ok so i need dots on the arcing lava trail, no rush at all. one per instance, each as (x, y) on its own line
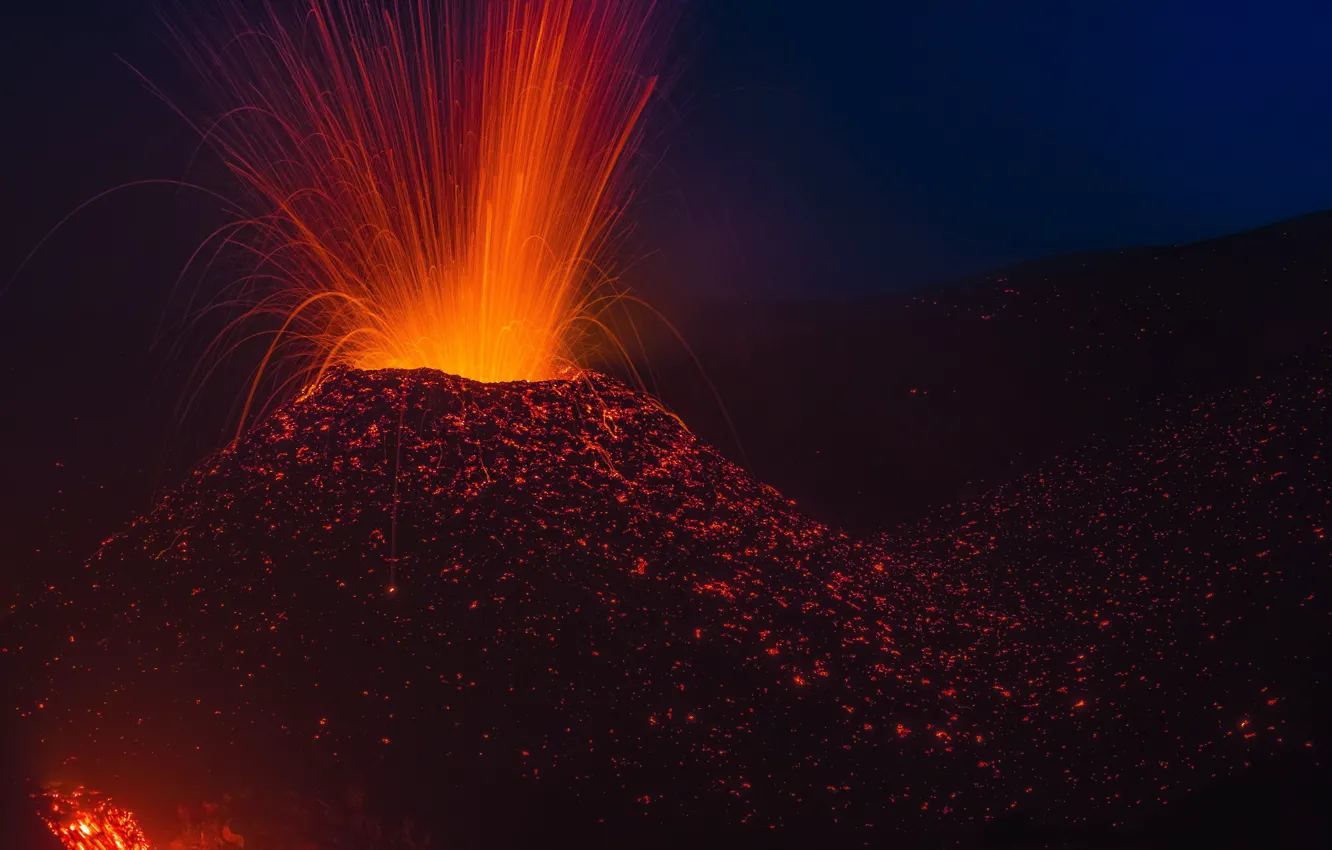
(556, 586)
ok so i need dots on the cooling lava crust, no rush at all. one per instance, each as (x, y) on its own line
(551, 600)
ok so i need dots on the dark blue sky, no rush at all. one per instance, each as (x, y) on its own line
(858, 146)
(838, 146)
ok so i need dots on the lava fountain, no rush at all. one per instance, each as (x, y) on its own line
(425, 185)
(87, 821)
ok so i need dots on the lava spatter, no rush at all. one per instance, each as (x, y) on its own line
(88, 821)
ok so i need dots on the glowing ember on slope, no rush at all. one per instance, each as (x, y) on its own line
(429, 185)
(588, 596)
(85, 820)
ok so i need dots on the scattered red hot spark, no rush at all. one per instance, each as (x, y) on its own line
(591, 597)
(87, 821)
(426, 185)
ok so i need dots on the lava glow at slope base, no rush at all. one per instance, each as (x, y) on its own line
(425, 185)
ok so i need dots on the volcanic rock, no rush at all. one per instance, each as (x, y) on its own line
(551, 599)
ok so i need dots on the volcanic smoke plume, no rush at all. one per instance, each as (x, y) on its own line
(555, 586)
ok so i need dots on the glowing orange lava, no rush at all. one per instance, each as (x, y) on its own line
(86, 821)
(428, 185)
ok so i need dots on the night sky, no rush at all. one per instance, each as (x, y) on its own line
(845, 147)
(868, 146)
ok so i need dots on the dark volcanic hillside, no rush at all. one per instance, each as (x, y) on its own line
(550, 604)
(970, 384)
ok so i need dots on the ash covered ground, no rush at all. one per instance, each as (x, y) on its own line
(540, 606)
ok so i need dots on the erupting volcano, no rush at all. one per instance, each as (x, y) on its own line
(426, 185)
(460, 565)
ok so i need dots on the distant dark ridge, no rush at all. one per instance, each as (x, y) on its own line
(868, 411)
(1315, 224)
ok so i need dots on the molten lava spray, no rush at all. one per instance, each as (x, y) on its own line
(85, 821)
(427, 185)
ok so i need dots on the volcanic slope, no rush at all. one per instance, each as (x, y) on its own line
(556, 586)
